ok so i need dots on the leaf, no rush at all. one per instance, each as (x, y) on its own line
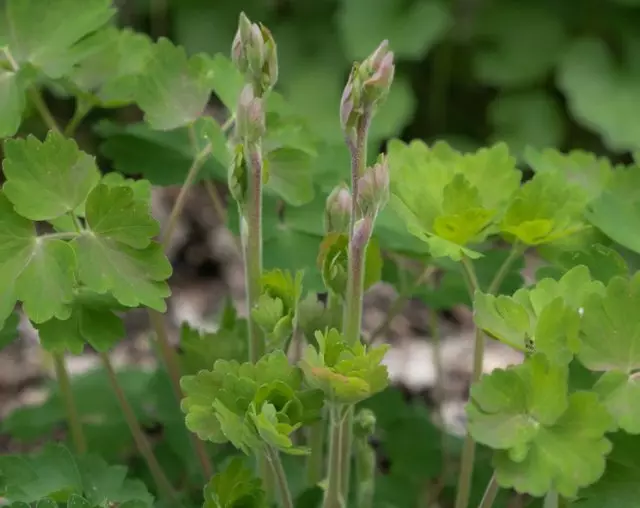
(290, 175)
(51, 41)
(9, 330)
(250, 405)
(110, 75)
(447, 199)
(513, 52)
(610, 316)
(51, 473)
(12, 102)
(525, 119)
(600, 89)
(235, 487)
(412, 29)
(346, 374)
(544, 209)
(37, 271)
(620, 198)
(173, 90)
(544, 438)
(47, 179)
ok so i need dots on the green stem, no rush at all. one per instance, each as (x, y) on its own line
(334, 494)
(551, 500)
(469, 446)
(490, 493)
(140, 439)
(273, 458)
(515, 253)
(78, 115)
(315, 460)
(43, 110)
(73, 418)
(61, 236)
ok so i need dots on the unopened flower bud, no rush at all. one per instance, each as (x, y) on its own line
(270, 67)
(250, 119)
(238, 174)
(362, 233)
(238, 55)
(377, 73)
(373, 188)
(338, 210)
(364, 423)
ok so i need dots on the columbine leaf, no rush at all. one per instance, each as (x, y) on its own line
(290, 175)
(12, 102)
(544, 438)
(173, 89)
(50, 41)
(51, 473)
(9, 330)
(37, 271)
(346, 374)
(544, 209)
(235, 487)
(238, 403)
(119, 257)
(47, 179)
(611, 344)
(446, 198)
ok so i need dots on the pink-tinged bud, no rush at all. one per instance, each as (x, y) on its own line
(338, 210)
(379, 84)
(270, 67)
(250, 118)
(255, 51)
(362, 233)
(238, 54)
(375, 59)
(373, 188)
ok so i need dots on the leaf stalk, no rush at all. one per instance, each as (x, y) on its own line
(73, 417)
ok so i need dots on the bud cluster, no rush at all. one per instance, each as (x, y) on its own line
(255, 54)
(373, 188)
(337, 214)
(250, 119)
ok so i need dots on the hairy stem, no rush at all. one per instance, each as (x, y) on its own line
(469, 446)
(334, 497)
(490, 493)
(273, 458)
(73, 418)
(142, 443)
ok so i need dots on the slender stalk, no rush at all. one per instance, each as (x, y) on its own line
(469, 446)
(515, 253)
(73, 418)
(551, 500)
(334, 497)
(275, 464)
(61, 236)
(490, 493)
(78, 115)
(315, 460)
(142, 443)
(43, 110)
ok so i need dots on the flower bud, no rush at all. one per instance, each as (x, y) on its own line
(362, 233)
(238, 174)
(364, 424)
(338, 210)
(270, 67)
(250, 118)
(373, 188)
(238, 55)
(376, 73)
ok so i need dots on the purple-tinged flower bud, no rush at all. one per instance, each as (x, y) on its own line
(362, 233)
(377, 72)
(255, 51)
(338, 210)
(238, 55)
(373, 188)
(250, 118)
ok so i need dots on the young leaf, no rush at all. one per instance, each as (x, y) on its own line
(250, 405)
(447, 199)
(119, 257)
(544, 209)
(612, 316)
(173, 90)
(543, 437)
(37, 271)
(47, 179)
(346, 374)
(235, 487)
(50, 41)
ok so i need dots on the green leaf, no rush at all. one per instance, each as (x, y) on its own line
(47, 179)
(9, 330)
(578, 167)
(449, 199)
(173, 90)
(110, 75)
(290, 175)
(346, 374)
(600, 88)
(412, 29)
(610, 316)
(235, 487)
(51, 41)
(525, 119)
(12, 102)
(514, 53)
(620, 198)
(76, 501)
(50, 473)
(544, 209)
(250, 405)
(37, 271)
(544, 438)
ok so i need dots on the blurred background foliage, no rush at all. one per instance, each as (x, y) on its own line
(544, 73)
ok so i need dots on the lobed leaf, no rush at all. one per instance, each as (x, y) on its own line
(235, 487)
